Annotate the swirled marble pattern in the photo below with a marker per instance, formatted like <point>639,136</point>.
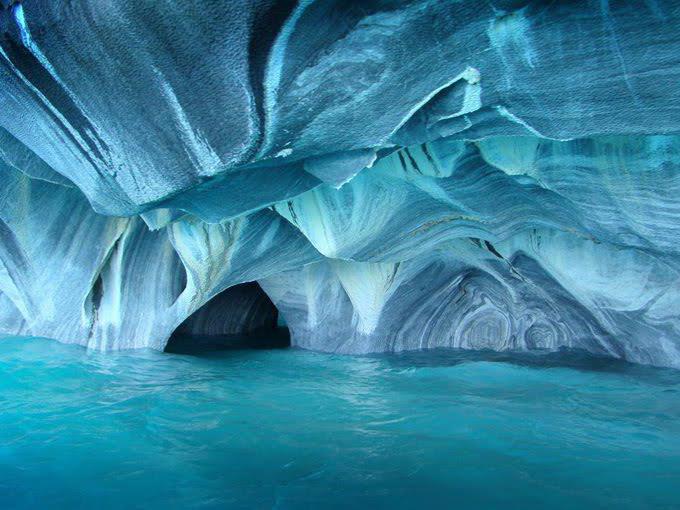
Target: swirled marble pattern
<point>395,174</point>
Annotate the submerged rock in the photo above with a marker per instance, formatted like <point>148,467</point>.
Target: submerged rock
<point>395,174</point>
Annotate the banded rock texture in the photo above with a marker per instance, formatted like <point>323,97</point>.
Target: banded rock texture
<point>394,174</point>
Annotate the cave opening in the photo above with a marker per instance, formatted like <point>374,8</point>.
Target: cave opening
<point>240,317</point>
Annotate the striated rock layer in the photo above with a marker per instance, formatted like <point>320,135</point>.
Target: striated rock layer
<point>394,174</point>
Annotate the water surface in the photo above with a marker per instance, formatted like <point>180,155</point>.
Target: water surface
<point>295,429</point>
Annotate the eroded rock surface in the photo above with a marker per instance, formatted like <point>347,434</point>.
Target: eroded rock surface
<point>395,175</point>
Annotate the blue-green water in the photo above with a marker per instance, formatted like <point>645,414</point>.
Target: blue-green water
<point>294,429</point>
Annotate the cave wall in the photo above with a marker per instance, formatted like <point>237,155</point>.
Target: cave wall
<point>394,174</point>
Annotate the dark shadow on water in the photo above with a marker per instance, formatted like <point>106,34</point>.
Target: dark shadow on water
<point>538,359</point>
<point>218,347</point>
<point>233,346</point>
<point>266,338</point>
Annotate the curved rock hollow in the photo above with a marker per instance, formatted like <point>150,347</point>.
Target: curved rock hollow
<point>395,175</point>
<point>240,317</point>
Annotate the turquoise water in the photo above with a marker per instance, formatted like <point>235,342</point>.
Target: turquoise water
<point>294,429</point>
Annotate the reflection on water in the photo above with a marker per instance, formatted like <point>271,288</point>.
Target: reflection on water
<point>295,429</point>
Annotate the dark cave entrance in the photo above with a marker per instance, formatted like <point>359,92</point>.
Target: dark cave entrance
<point>240,317</point>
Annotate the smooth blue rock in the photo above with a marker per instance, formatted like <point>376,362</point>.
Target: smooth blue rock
<point>395,174</point>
